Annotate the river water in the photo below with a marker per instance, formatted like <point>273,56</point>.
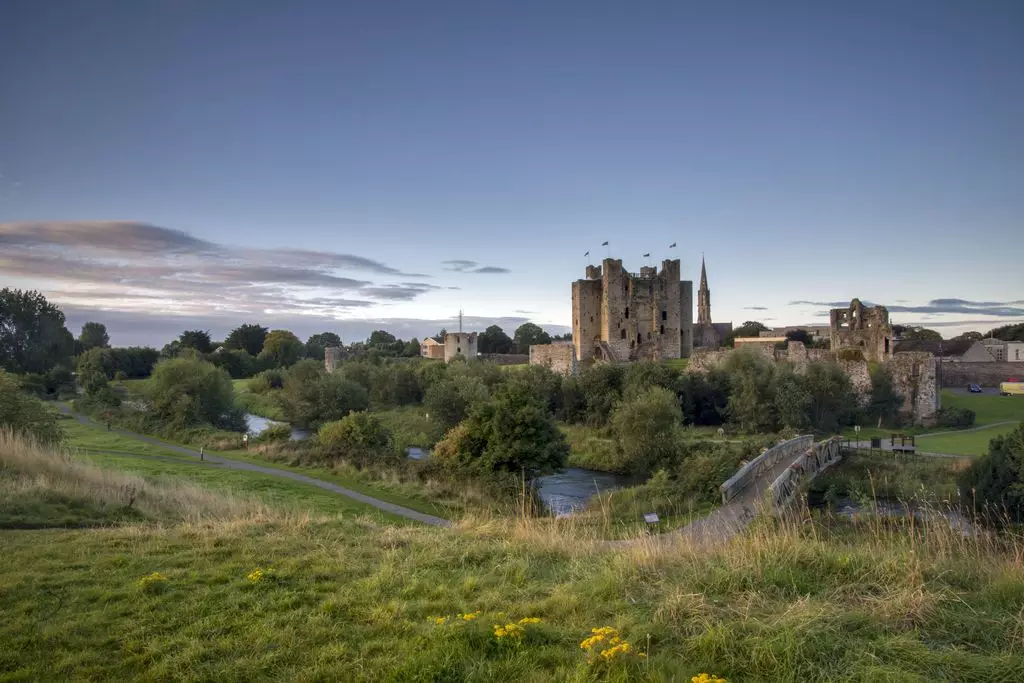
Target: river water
<point>851,509</point>
<point>257,425</point>
<point>569,490</point>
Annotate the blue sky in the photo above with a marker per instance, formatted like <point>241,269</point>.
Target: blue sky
<point>316,164</point>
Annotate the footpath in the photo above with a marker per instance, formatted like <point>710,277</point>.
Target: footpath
<point>228,463</point>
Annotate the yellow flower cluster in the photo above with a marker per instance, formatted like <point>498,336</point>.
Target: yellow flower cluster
<point>153,582</point>
<point>259,575</point>
<point>469,616</point>
<point>607,642</point>
<point>441,621</point>
<point>708,678</point>
<point>514,631</point>
<point>438,621</point>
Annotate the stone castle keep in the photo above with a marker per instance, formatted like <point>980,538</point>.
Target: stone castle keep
<point>621,316</point>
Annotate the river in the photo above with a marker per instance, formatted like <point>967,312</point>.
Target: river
<point>257,425</point>
<point>569,490</point>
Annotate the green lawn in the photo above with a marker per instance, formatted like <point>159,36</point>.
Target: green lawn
<point>972,443</point>
<point>988,408</point>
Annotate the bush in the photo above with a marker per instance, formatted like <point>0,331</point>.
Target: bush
<point>275,432</point>
<point>187,392</point>
<point>648,428</point>
<point>450,401</point>
<point>26,415</point>
<point>994,483</point>
<point>268,380</point>
<point>310,397</point>
<point>955,418</point>
<point>512,434</point>
<point>357,437</point>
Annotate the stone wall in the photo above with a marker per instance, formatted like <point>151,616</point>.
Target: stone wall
<point>862,327</point>
<point>333,355</point>
<point>860,376</point>
<point>586,315</point>
<point>959,375</point>
<point>915,378</point>
<point>560,357</point>
<point>763,463</point>
<point>507,358</point>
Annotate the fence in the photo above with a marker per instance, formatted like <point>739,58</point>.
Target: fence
<point>818,457</point>
<point>763,463</point>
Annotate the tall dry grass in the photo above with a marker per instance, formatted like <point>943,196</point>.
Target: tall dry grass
<point>27,466</point>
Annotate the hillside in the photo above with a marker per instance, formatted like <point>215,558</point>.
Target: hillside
<point>354,598</point>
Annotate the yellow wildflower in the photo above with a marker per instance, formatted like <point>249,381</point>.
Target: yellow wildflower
<point>601,635</point>
<point>623,648</point>
<point>708,678</point>
<point>153,583</point>
<point>529,620</point>
<point>259,575</point>
<point>439,621</point>
<point>511,631</point>
<point>469,616</point>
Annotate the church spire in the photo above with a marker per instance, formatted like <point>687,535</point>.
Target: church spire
<point>703,297</point>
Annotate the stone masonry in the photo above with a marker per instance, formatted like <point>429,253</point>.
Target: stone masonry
<point>622,316</point>
<point>460,344</point>
<point>864,328</point>
<point>559,356</point>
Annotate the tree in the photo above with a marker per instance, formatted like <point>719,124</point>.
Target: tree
<point>196,339</point>
<point>380,338</point>
<point>188,392</point>
<point>994,483</point>
<point>751,404</point>
<point>643,375</point>
<point>494,340</point>
<point>1008,332</point>
<point>94,335</point>
<point>970,336</point>
<point>450,401</point>
<point>833,401</point>
<point>907,333</point>
<point>281,348</point>
<point>799,336</point>
<point>248,337</point>
<point>395,384</point>
<point>885,402</point>
<point>310,397</point>
<point>33,337</point>
<point>412,348</point>
<point>648,429</point>
<point>513,434</point>
<point>792,399</point>
<point>316,344</point>
<point>238,363</point>
<point>26,415</point>
<point>704,397</point>
<point>527,335</point>
<point>96,367</point>
<point>750,328</point>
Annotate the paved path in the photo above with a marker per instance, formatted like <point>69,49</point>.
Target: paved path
<point>272,471</point>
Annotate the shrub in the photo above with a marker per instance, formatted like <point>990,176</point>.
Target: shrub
<point>648,428</point>
<point>955,418</point>
<point>450,401</point>
<point>310,397</point>
<point>994,483</point>
<point>190,392</point>
<point>265,381</point>
<point>512,434</point>
<point>26,415</point>
<point>275,432</point>
<point>357,437</point>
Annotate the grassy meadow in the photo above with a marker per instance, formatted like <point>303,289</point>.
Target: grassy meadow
<point>171,591</point>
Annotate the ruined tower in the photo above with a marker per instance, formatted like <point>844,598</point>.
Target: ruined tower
<point>703,297</point>
<point>862,327</point>
<point>621,316</point>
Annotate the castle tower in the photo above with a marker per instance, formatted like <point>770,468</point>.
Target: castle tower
<point>703,297</point>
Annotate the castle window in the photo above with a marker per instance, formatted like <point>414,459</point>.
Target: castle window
<point>663,329</point>
<point>458,349</point>
<point>639,338</point>
<point>623,333</point>
<point>627,312</point>
<point>664,315</point>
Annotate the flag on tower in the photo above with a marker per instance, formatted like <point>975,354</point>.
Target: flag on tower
<point>647,254</point>
<point>587,254</point>
<point>672,246</point>
<point>604,244</point>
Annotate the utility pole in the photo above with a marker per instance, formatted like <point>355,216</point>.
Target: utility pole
<point>460,321</point>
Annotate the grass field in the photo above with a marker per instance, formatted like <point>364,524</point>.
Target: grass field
<point>353,599</point>
<point>988,408</point>
<point>971,443</point>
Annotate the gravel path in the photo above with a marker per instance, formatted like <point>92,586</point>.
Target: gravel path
<point>272,471</point>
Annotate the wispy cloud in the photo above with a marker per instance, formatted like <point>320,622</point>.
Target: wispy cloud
<point>132,266</point>
<point>754,308</point>
<point>462,266</point>
<point>999,309</point>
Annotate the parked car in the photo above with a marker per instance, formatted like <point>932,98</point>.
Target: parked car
<point>974,388</point>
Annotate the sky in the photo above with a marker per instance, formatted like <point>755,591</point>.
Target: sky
<point>347,166</point>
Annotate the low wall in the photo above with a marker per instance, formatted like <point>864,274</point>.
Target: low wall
<point>959,375</point>
<point>817,458</point>
<point>505,358</point>
<point>560,357</point>
<point>763,463</point>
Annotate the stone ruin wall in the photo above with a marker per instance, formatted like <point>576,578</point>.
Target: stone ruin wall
<point>505,358</point>
<point>586,315</point>
<point>559,357</point>
<point>915,375</point>
<point>959,375</point>
<point>460,344</point>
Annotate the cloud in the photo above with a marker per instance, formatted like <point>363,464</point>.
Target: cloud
<point>999,309</point>
<point>754,308</point>
<point>462,266</point>
<point>131,266</point>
